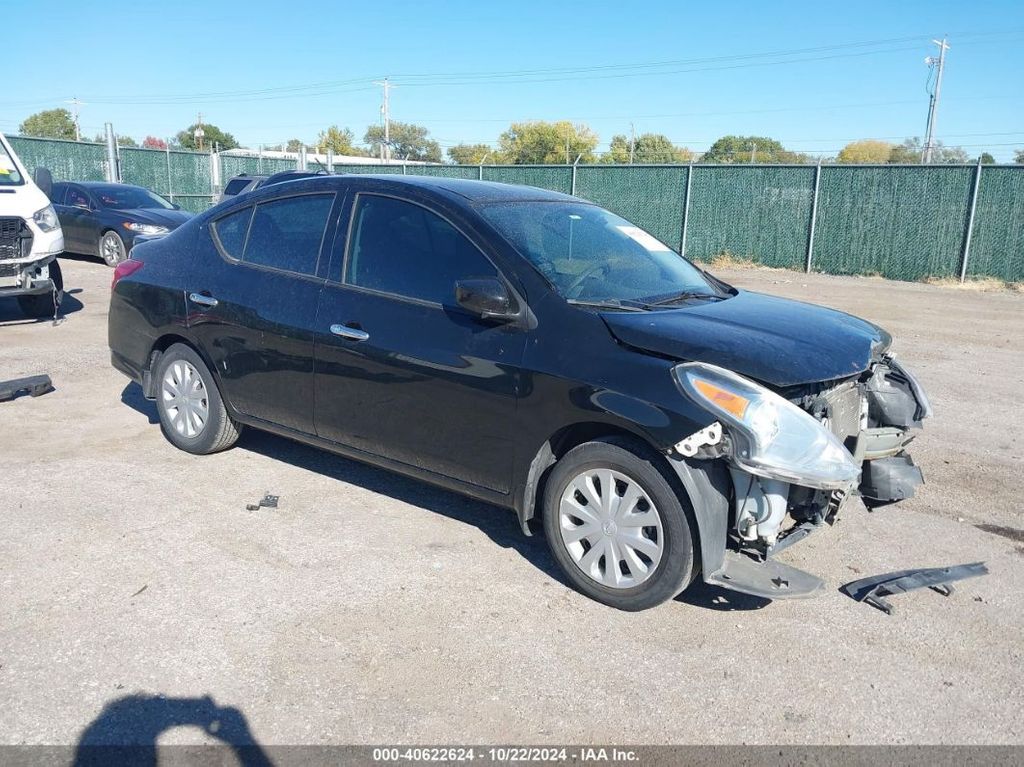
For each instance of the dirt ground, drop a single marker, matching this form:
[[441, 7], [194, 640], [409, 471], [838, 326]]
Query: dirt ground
[[369, 608]]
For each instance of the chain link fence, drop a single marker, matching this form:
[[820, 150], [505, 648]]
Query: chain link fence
[[905, 222]]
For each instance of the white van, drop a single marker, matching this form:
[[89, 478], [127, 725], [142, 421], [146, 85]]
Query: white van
[[30, 237]]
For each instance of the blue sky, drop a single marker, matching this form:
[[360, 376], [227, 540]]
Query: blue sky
[[269, 71]]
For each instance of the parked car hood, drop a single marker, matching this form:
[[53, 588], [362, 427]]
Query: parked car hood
[[172, 219], [774, 340]]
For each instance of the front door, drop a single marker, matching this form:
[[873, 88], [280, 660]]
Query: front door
[[401, 371]]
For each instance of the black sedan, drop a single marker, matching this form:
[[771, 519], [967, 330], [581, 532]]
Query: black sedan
[[101, 219], [532, 350]]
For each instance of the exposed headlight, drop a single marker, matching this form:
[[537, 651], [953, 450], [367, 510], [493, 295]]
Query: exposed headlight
[[46, 219], [145, 228], [772, 437]]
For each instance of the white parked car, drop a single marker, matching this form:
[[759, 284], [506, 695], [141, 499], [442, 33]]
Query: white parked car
[[30, 237]]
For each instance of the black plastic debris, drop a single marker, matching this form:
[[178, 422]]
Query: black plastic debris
[[873, 589], [267, 501], [34, 386]]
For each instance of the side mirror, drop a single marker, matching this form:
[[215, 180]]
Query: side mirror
[[486, 297], [44, 180]]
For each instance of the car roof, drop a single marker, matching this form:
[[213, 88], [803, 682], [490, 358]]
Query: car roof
[[102, 184], [472, 191]]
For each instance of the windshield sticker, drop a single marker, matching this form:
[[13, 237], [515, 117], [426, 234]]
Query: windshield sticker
[[643, 238]]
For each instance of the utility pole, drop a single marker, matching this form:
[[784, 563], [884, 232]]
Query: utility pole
[[385, 111], [75, 104], [933, 102], [198, 133], [632, 142]]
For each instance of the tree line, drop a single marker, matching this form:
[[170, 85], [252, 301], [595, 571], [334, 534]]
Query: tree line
[[525, 143]]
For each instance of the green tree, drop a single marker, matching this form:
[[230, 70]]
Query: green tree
[[911, 151], [212, 137], [408, 141], [987, 159], [647, 148], [294, 145], [745, 149], [472, 154], [121, 140], [339, 141], [866, 151], [1018, 157], [51, 123], [547, 143]]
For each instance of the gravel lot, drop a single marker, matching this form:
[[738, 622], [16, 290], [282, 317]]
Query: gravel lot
[[369, 608]]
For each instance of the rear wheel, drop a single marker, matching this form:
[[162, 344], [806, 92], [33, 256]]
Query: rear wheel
[[45, 304], [112, 249], [617, 527], [192, 413]]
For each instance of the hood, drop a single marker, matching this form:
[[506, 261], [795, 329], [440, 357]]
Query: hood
[[774, 340], [22, 200], [172, 219]]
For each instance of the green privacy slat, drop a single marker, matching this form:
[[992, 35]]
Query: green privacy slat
[[757, 212], [557, 178], [66, 160], [649, 196], [997, 243], [904, 222]]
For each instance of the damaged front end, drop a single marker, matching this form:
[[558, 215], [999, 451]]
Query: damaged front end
[[793, 459]]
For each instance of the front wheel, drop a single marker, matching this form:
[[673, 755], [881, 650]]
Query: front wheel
[[112, 249], [617, 527], [45, 304], [192, 413]]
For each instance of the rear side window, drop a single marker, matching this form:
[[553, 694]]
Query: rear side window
[[287, 233], [399, 247], [231, 231], [236, 185], [57, 193]]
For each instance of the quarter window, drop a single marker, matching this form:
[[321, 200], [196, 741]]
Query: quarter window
[[231, 231], [287, 233], [399, 247]]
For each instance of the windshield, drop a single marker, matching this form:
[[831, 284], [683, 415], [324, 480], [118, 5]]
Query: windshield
[[129, 198], [590, 254], [9, 173]]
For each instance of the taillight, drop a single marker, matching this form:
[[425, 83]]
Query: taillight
[[123, 269]]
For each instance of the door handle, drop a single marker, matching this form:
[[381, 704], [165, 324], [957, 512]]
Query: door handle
[[199, 298], [353, 334]]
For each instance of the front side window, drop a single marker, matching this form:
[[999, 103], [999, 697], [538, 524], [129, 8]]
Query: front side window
[[402, 248], [9, 173], [588, 253], [231, 230], [287, 233], [76, 198]]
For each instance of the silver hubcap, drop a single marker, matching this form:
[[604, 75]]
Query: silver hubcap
[[610, 528], [185, 400], [113, 249]]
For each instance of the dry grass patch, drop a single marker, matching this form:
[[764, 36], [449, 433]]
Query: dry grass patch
[[982, 284], [727, 260]]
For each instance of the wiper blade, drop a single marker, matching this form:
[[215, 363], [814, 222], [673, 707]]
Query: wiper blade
[[609, 304], [685, 296]]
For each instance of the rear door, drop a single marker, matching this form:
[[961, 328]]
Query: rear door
[[75, 214], [253, 307], [402, 371]]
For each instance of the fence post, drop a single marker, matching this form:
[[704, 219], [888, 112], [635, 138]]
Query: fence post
[[814, 217], [330, 160], [302, 158], [167, 155], [970, 222], [572, 184], [686, 209], [214, 176], [112, 171]]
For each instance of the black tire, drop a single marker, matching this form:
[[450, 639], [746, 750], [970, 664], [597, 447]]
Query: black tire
[[45, 304], [118, 251], [677, 567], [219, 431]]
